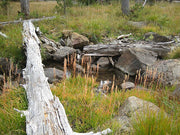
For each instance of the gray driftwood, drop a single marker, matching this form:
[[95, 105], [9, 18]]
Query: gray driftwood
[[45, 114], [102, 50], [32, 20]]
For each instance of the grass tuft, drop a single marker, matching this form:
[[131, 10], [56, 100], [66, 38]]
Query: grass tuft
[[10, 120]]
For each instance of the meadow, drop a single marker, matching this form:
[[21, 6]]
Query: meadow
[[87, 110]]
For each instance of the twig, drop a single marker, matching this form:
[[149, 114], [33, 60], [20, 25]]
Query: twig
[[23, 113], [144, 3], [123, 36], [4, 35], [165, 43]]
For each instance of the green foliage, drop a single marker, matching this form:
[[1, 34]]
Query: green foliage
[[62, 5], [174, 54], [10, 121], [11, 47], [156, 124], [87, 110]]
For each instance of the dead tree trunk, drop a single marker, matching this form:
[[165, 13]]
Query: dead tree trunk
[[45, 114], [125, 6], [25, 7]]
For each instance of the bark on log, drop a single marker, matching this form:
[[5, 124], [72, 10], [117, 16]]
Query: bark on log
[[45, 114], [117, 50], [32, 20], [102, 50]]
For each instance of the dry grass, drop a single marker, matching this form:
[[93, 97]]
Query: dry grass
[[40, 8]]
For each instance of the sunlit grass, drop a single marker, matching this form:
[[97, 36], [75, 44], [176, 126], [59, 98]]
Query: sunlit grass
[[156, 124], [10, 121], [174, 54], [95, 21], [87, 110]]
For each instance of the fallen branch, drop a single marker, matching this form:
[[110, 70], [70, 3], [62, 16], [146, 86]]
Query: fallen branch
[[45, 114], [144, 3], [4, 35], [32, 20], [165, 43], [123, 36]]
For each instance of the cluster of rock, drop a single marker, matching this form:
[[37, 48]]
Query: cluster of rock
[[124, 54], [121, 54]]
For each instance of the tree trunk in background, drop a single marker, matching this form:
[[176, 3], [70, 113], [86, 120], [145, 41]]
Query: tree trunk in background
[[25, 7], [125, 6], [64, 6]]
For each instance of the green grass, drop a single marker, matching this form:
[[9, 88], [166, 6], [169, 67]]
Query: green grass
[[98, 22], [175, 54], [10, 121], [88, 111], [11, 47], [156, 124]]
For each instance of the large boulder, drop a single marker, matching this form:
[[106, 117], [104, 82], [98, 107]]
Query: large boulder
[[53, 74], [134, 59], [74, 39], [133, 108], [169, 70], [63, 52]]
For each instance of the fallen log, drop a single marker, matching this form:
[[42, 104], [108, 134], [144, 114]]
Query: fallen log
[[32, 20], [102, 50], [45, 114]]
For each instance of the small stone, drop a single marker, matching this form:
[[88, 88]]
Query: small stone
[[127, 85], [103, 62]]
